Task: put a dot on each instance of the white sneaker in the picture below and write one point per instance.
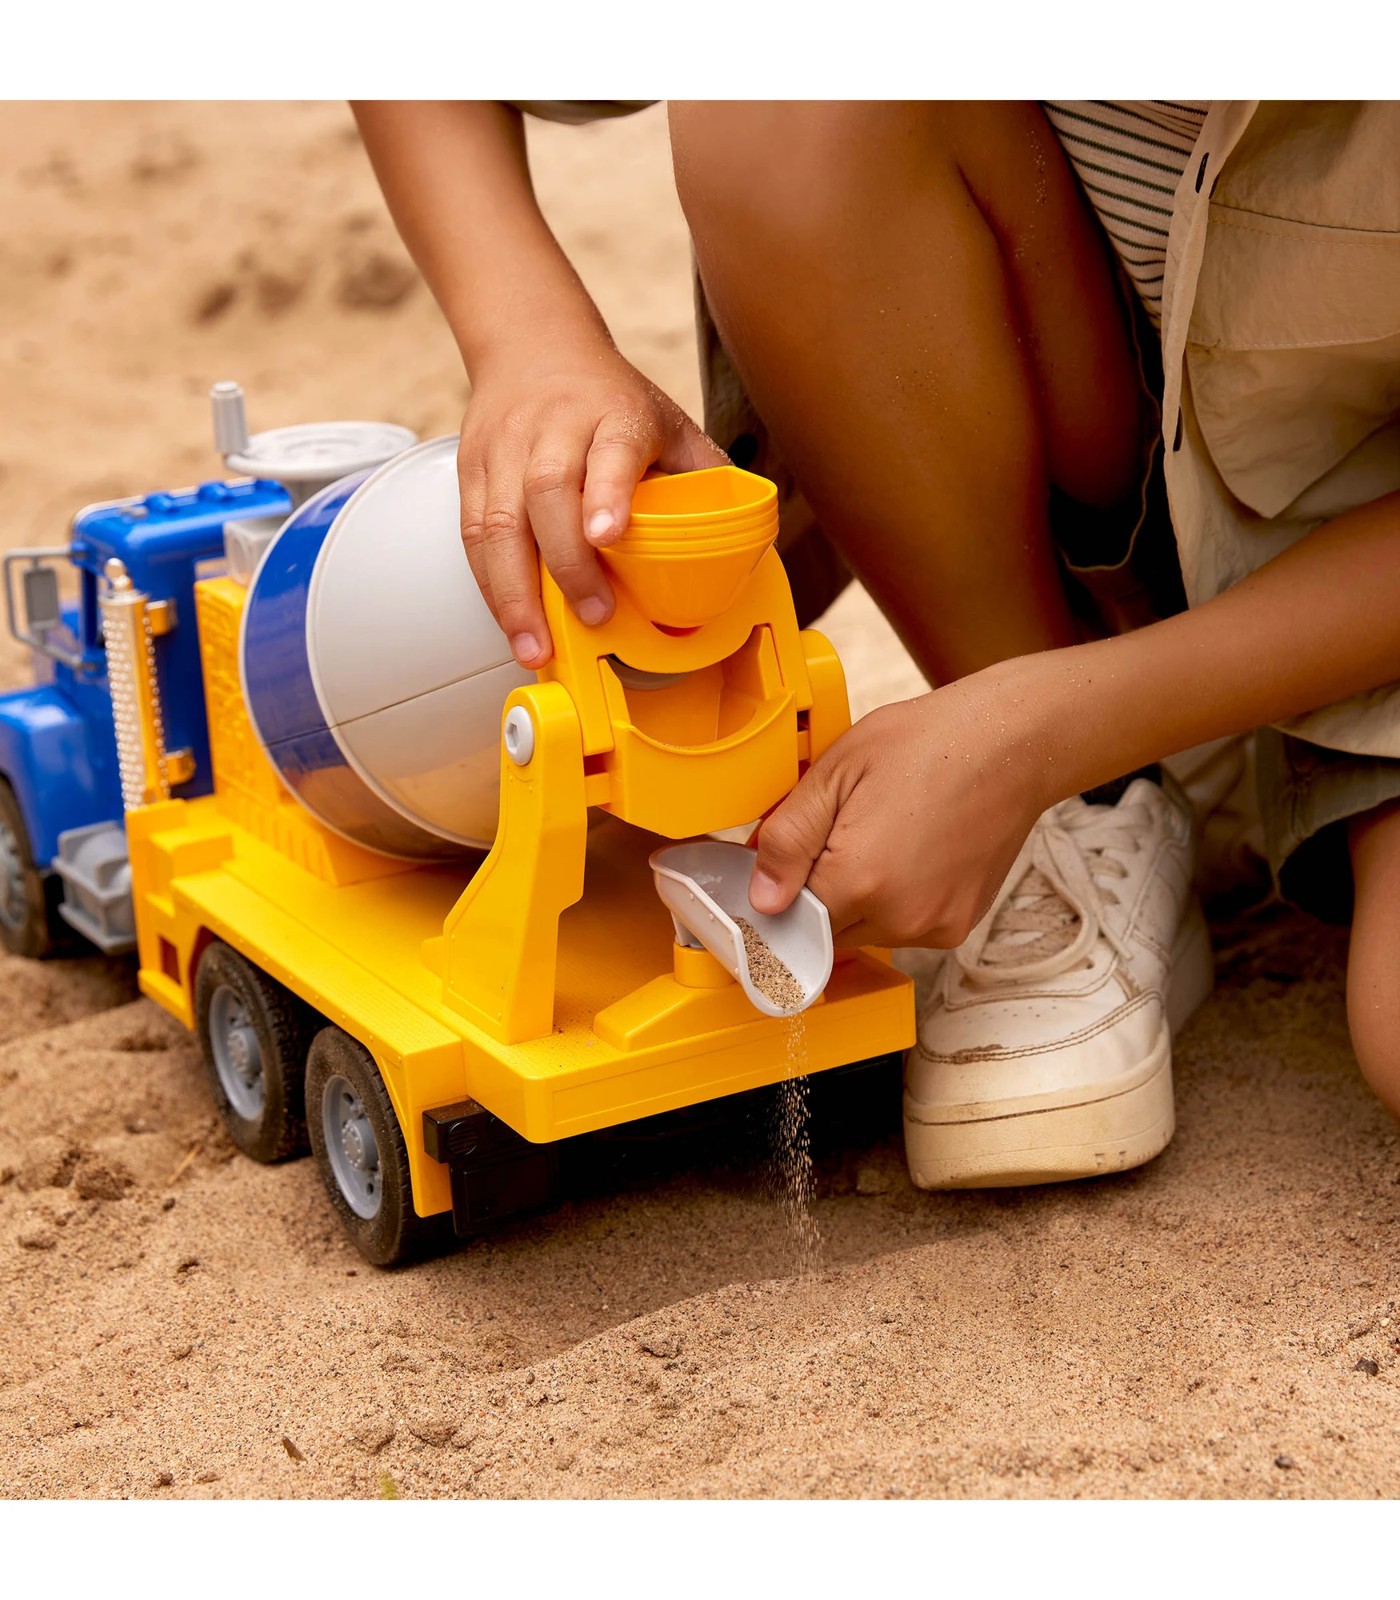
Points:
(1046, 1051)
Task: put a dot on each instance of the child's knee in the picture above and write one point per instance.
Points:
(1373, 995)
(794, 176)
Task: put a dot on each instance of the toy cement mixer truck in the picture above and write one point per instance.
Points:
(426, 911)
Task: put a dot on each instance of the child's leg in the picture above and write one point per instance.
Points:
(924, 315)
(1373, 992)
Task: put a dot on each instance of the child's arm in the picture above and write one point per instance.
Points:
(906, 827)
(560, 426)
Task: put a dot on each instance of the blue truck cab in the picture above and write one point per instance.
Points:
(63, 857)
(62, 842)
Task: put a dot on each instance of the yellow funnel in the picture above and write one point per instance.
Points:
(692, 543)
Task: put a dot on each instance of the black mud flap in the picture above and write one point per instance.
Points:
(496, 1175)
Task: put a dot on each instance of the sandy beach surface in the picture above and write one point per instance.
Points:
(176, 1321)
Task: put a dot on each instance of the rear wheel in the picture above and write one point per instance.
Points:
(28, 899)
(359, 1148)
(254, 1036)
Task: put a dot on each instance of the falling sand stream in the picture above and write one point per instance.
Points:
(791, 1175)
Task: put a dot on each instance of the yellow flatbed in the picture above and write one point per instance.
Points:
(366, 955)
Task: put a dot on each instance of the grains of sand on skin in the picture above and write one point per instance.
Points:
(792, 1173)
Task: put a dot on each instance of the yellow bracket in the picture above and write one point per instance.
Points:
(501, 939)
(714, 742)
(830, 713)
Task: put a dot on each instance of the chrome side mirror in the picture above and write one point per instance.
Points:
(39, 587)
(42, 625)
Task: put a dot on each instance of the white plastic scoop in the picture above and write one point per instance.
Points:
(705, 887)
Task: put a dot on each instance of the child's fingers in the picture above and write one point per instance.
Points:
(471, 489)
(552, 483)
(623, 448)
(789, 842)
(496, 533)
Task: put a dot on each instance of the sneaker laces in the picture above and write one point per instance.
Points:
(1049, 913)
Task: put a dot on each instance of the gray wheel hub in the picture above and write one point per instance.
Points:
(237, 1053)
(351, 1147)
(14, 900)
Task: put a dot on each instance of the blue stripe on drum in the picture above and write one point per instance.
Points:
(314, 768)
(281, 697)
(277, 685)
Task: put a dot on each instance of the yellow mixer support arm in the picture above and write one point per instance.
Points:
(830, 713)
(502, 936)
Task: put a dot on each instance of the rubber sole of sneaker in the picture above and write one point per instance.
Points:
(1114, 1131)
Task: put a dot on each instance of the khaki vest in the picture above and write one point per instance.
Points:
(1281, 350)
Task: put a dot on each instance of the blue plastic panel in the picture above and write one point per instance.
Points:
(161, 539)
(60, 762)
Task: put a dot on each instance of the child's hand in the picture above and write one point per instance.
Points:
(550, 456)
(906, 827)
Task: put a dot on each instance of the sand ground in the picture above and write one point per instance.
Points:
(175, 1321)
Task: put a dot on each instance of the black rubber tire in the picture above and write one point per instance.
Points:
(396, 1233)
(284, 1027)
(39, 931)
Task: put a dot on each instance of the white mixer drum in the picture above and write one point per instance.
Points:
(374, 673)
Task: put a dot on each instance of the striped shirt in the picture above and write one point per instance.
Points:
(1130, 155)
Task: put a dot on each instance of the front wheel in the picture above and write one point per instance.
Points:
(28, 901)
(360, 1151)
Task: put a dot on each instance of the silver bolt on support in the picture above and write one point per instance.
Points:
(519, 736)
